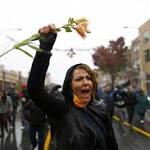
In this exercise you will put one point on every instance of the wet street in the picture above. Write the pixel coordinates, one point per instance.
(130, 139)
(16, 139)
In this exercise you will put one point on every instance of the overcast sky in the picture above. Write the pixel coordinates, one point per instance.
(107, 20)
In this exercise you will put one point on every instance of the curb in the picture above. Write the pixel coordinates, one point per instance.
(147, 134)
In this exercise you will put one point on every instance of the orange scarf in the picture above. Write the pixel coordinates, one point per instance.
(78, 102)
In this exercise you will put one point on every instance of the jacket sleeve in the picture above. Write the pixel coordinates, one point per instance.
(111, 139)
(51, 104)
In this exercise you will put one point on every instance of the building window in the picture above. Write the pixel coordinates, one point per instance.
(147, 55)
(136, 48)
(148, 77)
(146, 36)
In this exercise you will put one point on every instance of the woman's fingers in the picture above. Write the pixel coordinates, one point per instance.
(47, 29)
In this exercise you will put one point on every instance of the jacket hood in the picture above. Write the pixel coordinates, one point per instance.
(66, 88)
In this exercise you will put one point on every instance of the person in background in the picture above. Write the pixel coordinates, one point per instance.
(5, 109)
(2, 113)
(23, 100)
(100, 93)
(131, 102)
(120, 107)
(108, 97)
(37, 124)
(15, 98)
(142, 105)
(78, 120)
(8, 111)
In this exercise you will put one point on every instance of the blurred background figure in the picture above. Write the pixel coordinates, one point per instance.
(142, 105)
(8, 111)
(15, 99)
(5, 111)
(108, 97)
(120, 106)
(37, 124)
(100, 93)
(23, 99)
(131, 102)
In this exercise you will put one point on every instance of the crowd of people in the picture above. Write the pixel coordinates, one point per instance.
(14, 104)
(124, 101)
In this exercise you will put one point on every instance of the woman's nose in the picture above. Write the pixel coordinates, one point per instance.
(85, 81)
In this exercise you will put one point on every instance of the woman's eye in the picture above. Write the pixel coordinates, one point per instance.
(78, 79)
(89, 78)
(82, 78)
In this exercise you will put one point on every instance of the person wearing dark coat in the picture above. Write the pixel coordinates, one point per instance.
(37, 124)
(142, 105)
(131, 102)
(78, 120)
(108, 97)
(15, 98)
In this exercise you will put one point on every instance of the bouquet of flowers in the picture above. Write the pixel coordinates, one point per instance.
(79, 25)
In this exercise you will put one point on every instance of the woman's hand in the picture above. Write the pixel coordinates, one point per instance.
(48, 36)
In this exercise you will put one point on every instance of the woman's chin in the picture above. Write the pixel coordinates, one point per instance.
(86, 100)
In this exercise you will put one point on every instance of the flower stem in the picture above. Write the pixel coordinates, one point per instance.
(6, 52)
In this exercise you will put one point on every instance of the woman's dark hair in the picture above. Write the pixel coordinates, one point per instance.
(67, 89)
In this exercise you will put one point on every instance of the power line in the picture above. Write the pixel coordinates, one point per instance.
(70, 52)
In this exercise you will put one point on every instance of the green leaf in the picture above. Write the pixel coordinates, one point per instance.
(22, 43)
(35, 48)
(35, 37)
(68, 29)
(58, 29)
(25, 52)
(26, 41)
(70, 21)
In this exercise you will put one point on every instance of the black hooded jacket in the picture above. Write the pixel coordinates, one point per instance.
(72, 128)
